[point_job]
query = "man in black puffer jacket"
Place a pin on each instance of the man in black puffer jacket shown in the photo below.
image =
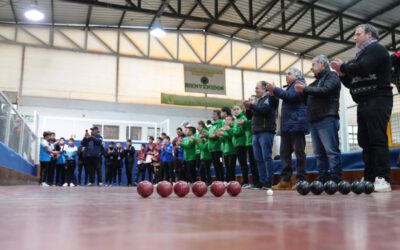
(368, 78)
(323, 111)
(93, 144)
(263, 112)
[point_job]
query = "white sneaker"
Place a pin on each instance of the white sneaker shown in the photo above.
(100, 184)
(65, 185)
(225, 183)
(44, 184)
(381, 185)
(72, 185)
(89, 184)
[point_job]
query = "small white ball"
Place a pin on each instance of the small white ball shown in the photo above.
(270, 192)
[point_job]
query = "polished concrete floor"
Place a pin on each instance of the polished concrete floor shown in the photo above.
(56, 218)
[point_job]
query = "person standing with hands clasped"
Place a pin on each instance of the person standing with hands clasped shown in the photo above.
(263, 112)
(368, 78)
(294, 127)
(323, 111)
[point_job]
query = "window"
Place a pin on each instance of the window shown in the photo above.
(135, 133)
(111, 132)
(352, 137)
(150, 131)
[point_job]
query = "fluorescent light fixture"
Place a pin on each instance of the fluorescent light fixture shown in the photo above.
(33, 14)
(157, 30)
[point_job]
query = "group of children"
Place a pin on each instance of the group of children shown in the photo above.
(58, 160)
(195, 149)
(189, 156)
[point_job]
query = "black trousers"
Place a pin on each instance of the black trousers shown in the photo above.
(109, 171)
(241, 153)
(44, 168)
(70, 174)
(218, 166)
(140, 172)
(117, 170)
(205, 173)
(191, 171)
(165, 171)
(150, 171)
(230, 165)
(81, 167)
(198, 163)
(128, 171)
(293, 142)
(372, 118)
(157, 173)
(51, 171)
(94, 166)
(60, 174)
(180, 170)
(253, 165)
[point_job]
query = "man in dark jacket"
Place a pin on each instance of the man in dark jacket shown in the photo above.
(263, 120)
(323, 110)
(129, 160)
(294, 127)
(93, 143)
(368, 78)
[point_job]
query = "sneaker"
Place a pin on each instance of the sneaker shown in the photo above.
(44, 184)
(90, 184)
(225, 183)
(246, 186)
(100, 184)
(65, 185)
(72, 185)
(381, 185)
(283, 185)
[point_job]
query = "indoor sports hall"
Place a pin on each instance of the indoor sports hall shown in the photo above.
(199, 124)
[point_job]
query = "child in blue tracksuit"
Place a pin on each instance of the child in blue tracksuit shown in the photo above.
(70, 152)
(60, 164)
(45, 158)
(180, 164)
(167, 160)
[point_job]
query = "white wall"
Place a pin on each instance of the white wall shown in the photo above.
(10, 67)
(66, 74)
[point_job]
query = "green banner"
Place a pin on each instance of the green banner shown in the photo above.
(197, 101)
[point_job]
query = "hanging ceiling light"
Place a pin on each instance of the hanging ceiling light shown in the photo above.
(157, 30)
(33, 14)
(257, 43)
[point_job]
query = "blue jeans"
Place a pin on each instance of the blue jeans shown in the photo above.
(262, 147)
(325, 142)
